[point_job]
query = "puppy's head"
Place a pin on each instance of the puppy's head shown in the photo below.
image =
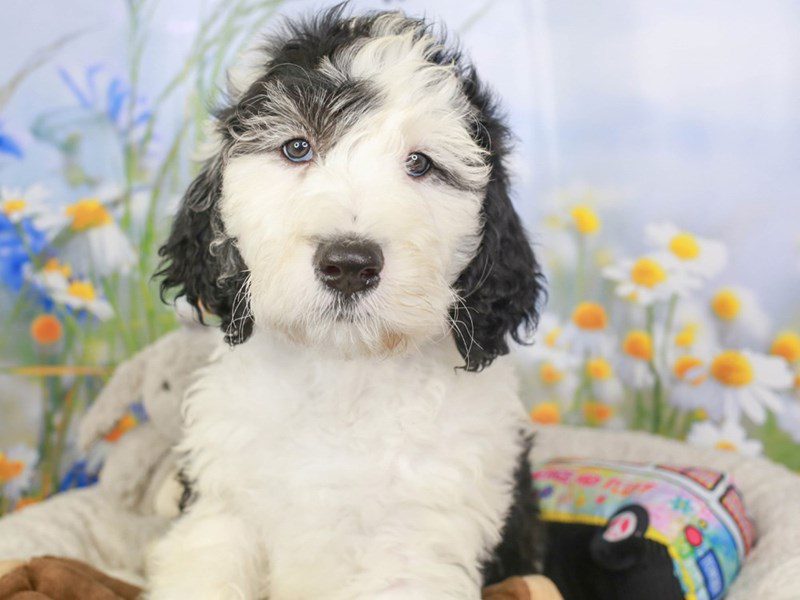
(357, 198)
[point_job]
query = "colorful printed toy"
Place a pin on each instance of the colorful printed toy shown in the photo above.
(627, 530)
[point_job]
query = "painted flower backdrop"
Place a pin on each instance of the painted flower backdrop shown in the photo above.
(98, 125)
(78, 248)
(652, 341)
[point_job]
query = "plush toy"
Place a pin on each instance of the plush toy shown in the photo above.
(626, 530)
(109, 524)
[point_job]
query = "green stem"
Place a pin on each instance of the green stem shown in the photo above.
(658, 390)
(670, 322)
(657, 399)
(669, 426)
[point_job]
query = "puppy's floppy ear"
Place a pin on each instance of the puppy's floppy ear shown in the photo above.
(503, 285)
(202, 263)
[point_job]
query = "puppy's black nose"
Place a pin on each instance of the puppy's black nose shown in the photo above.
(349, 265)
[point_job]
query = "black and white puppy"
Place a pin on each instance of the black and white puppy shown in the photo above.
(353, 231)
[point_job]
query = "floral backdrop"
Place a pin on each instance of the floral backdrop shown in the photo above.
(660, 187)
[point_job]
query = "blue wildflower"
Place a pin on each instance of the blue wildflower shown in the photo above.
(8, 145)
(16, 244)
(116, 102)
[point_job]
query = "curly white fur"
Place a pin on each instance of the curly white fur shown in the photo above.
(357, 479)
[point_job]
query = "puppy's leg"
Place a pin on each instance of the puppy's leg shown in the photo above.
(209, 554)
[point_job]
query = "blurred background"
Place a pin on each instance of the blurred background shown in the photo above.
(664, 131)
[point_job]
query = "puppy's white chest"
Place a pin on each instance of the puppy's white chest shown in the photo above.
(347, 468)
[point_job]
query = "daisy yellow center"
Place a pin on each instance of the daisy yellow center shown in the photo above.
(88, 214)
(585, 219)
(590, 316)
(83, 290)
(732, 369)
(726, 305)
(683, 365)
(597, 413)
(684, 246)
(797, 382)
(54, 266)
(632, 297)
(14, 205)
(700, 415)
(551, 339)
(787, 345)
(685, 337)
(648, 273)
(638, 344)
(726, 446)
(550, 374)
(599, 369)
(546, 413)
(10, 469)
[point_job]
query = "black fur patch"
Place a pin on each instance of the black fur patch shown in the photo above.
(188, 494)
(503, 287)
(521, 549)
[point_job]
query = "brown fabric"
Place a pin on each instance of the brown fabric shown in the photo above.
(542, 588)
(513, 588)
(533, 587)
(50, 578)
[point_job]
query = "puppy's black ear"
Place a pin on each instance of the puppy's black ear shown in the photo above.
(502, 287)
(201, 263)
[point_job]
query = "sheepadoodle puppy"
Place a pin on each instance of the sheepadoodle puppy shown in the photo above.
(360, 435)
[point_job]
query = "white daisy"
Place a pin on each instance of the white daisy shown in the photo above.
(688, 374)
(53, 276)
(17, 470)
(648, 279)
(97, 244)
(588, 332)
(692, 332)
(696, 255)
(741, 381)
(603, 415)
(604, 383)
(556, 376)
(82, 296)
(787, 345)
(547, 342)
(739, 316)
(729, 437)
(583, 219)
(638, 352)
(17, 204)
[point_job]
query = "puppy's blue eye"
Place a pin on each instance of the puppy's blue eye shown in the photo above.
(298, 150)
(417, 164)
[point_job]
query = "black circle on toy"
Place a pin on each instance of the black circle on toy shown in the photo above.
(620, 544)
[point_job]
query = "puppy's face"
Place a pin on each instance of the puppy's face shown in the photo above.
(348, 197)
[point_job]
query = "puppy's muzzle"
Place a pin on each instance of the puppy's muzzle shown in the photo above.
(348, 265)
